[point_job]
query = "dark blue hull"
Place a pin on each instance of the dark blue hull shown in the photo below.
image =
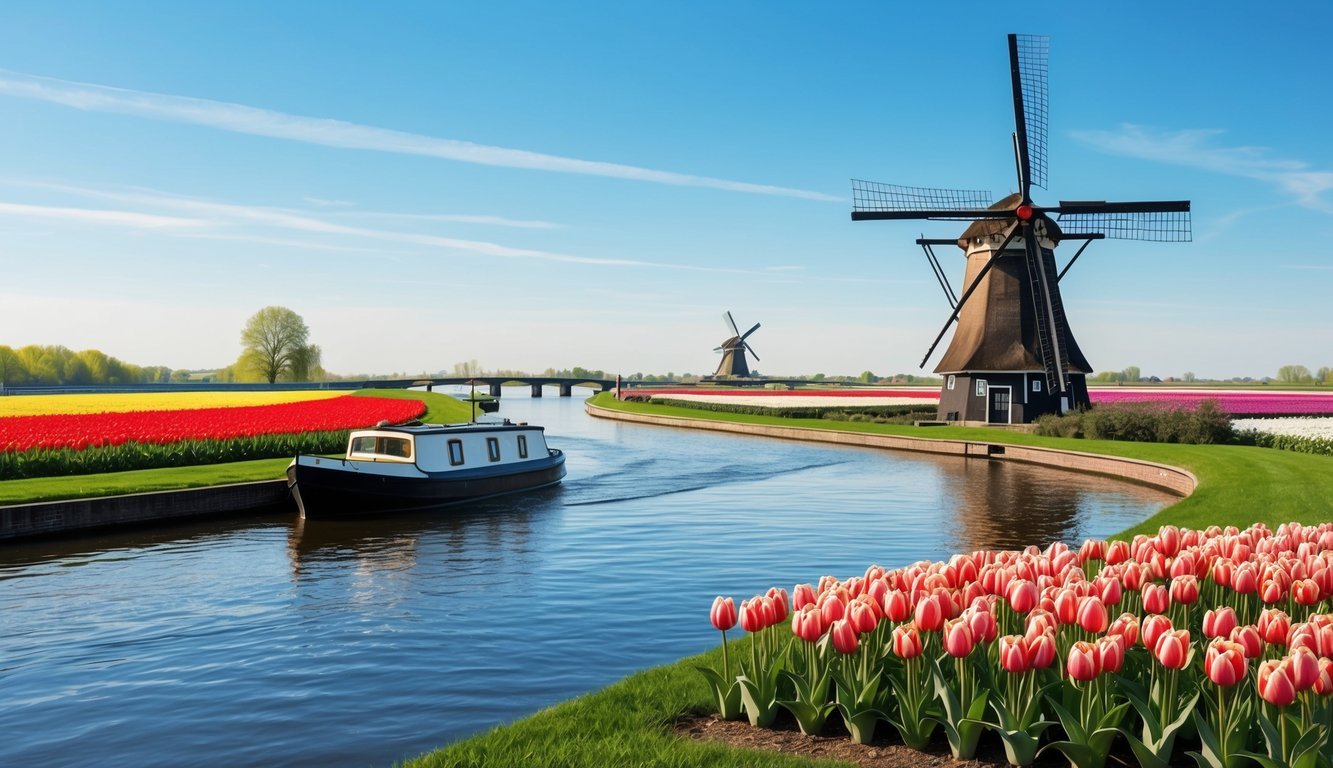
(330, 490)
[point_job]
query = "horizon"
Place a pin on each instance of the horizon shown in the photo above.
(537, 188)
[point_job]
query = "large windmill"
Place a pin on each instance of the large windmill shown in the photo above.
(1012, 357)
(733, 350)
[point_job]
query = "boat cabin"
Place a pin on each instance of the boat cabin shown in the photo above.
(449, 447)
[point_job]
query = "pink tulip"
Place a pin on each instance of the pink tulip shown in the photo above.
(861, 616)
(807, 624)
(1022, 596)
(1084, 661)
(1013, 654)
(1168, 540)
(1219, 622)
(1108, 590)
(1185, 590)
(1249, 639)
(1271, 591)
(1066, 605)
(1111, 652)
(1244, 579)
(1092, 550)
(1172, 649)
(723, 614)
(930, 613)
(1223, 571)
(1324, 685)
(1155, 598)
(1117, 552)
(1274, 684)
(831, 609)
(1093, 616)
(984, 627)
(1153, 628)
(1302, 666)
(876, 591)
(843, 635)
(896, 606)
(1225, 663)
(768, 611)
(1274, 625)
(802, 595)
(752, 615)
(780, 604)
(1127, 626)
(1305, 592)
(1041, 650)
(958, 640)
(906, 641)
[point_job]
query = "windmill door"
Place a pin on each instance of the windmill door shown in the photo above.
(999, 405)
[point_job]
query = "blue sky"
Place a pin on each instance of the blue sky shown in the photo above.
(538, 184)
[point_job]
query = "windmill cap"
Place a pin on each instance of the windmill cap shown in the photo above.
(984, 228)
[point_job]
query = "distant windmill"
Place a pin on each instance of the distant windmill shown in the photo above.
(733, 350)
(1012, 357)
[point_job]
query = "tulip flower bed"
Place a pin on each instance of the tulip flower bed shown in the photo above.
(1215, 643)
(116, 402)
(44, 446)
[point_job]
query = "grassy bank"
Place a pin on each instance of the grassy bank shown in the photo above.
(439, 409)
(628, 724)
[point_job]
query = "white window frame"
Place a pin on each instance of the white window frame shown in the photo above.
(981, 387)
(951, 381)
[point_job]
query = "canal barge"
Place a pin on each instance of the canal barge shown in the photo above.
(423, 466)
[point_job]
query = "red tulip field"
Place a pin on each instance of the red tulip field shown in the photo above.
(1218, 643)
(53, 444)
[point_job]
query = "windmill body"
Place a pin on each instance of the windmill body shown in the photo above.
(1013, 357)
(733, 364)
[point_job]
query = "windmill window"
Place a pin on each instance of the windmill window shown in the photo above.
(522, 446)
(981, 387)
(455, 452)
(493, 448)
(951, 381)
(1036, 385)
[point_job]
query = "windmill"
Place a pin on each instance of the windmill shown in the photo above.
(1012, 357)
(733, 350)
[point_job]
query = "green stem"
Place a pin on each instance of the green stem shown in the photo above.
(726, 662)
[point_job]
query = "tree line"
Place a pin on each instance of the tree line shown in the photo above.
(53, 364)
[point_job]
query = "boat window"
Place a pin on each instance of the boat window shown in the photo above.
(493, 448)
(522, 446)
(455, 452)
(397, 447)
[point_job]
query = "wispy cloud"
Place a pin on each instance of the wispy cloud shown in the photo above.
(460, 218)
(320, 202)
(131, 219)
(1198, 148)
(338, 133)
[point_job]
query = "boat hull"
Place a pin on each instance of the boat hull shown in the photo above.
(333, 489)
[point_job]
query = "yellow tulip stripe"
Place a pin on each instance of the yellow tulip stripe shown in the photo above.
(45, 405)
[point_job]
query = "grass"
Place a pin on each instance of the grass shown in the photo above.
(628, 724)
(439, 409)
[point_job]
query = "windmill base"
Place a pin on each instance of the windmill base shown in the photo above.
(1006, 398)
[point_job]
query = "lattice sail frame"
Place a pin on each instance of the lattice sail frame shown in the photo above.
(1034, 54)
(873, 196)
(1151, 226)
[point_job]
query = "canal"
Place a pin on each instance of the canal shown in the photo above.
(265, 640)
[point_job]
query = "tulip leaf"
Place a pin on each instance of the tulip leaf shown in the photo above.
(727, 694)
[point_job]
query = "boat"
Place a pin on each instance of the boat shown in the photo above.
(419, 466)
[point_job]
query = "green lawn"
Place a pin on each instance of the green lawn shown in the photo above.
(628, 724)
(439, 409)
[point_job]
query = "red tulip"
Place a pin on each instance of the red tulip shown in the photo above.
(768, 611)
(1127, 626)
(1022, 595)
(1249, 639)
(906, 641)
(1219, 622)
(802, 595)
(780, 603)
(1185, 589)
(844, 637)
(930, 613)
(861, 616)
(877, 589)
(1117, 552)
(1108, 590)
(1223, 570)
(1324, 685)
(1084, 661)
(752, 615)
(1093, 616)
(1302, 666)
(807, 623)
(1092, 549)
(1168, 540)
(1041, 650)
(1153, 628)
(1274, 625)
(1271, 591)
(1155, 598)
(984, 627)
(1244, 579)
(896, 606)
(1274, 684)
(1111, 652)
(958, 640)
(1172, 649)
(723, 614)
(1013, 654)
(831, 609)
(1066, 605)
(1225, 663)
(1305, 592)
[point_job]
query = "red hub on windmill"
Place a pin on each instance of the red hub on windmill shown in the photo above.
(1024, 212)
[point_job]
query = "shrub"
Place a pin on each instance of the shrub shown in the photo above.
(1205, 423)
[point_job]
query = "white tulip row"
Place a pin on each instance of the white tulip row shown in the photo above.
(1296, 426)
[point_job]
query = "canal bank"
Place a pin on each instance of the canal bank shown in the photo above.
(1173, 479)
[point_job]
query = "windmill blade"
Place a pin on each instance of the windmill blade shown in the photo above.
(719, 349)
(995, 256)
(1162, 221)
(1028, 66)
(731, 323)
(750, 349)
(1048, 323)
(919, 202)
(746, 335)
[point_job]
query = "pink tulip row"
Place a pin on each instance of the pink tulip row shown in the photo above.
(1206, 622)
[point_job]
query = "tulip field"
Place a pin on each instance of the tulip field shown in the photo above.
(1216, 644)
(77, 443)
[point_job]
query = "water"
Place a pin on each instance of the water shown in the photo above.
(265, 640)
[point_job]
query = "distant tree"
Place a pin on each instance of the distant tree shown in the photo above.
(274, 344)
(1294, 374)
(1325, 375)
(867, 377)
(1132, 373)
(1187, 376)
(180, 377)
